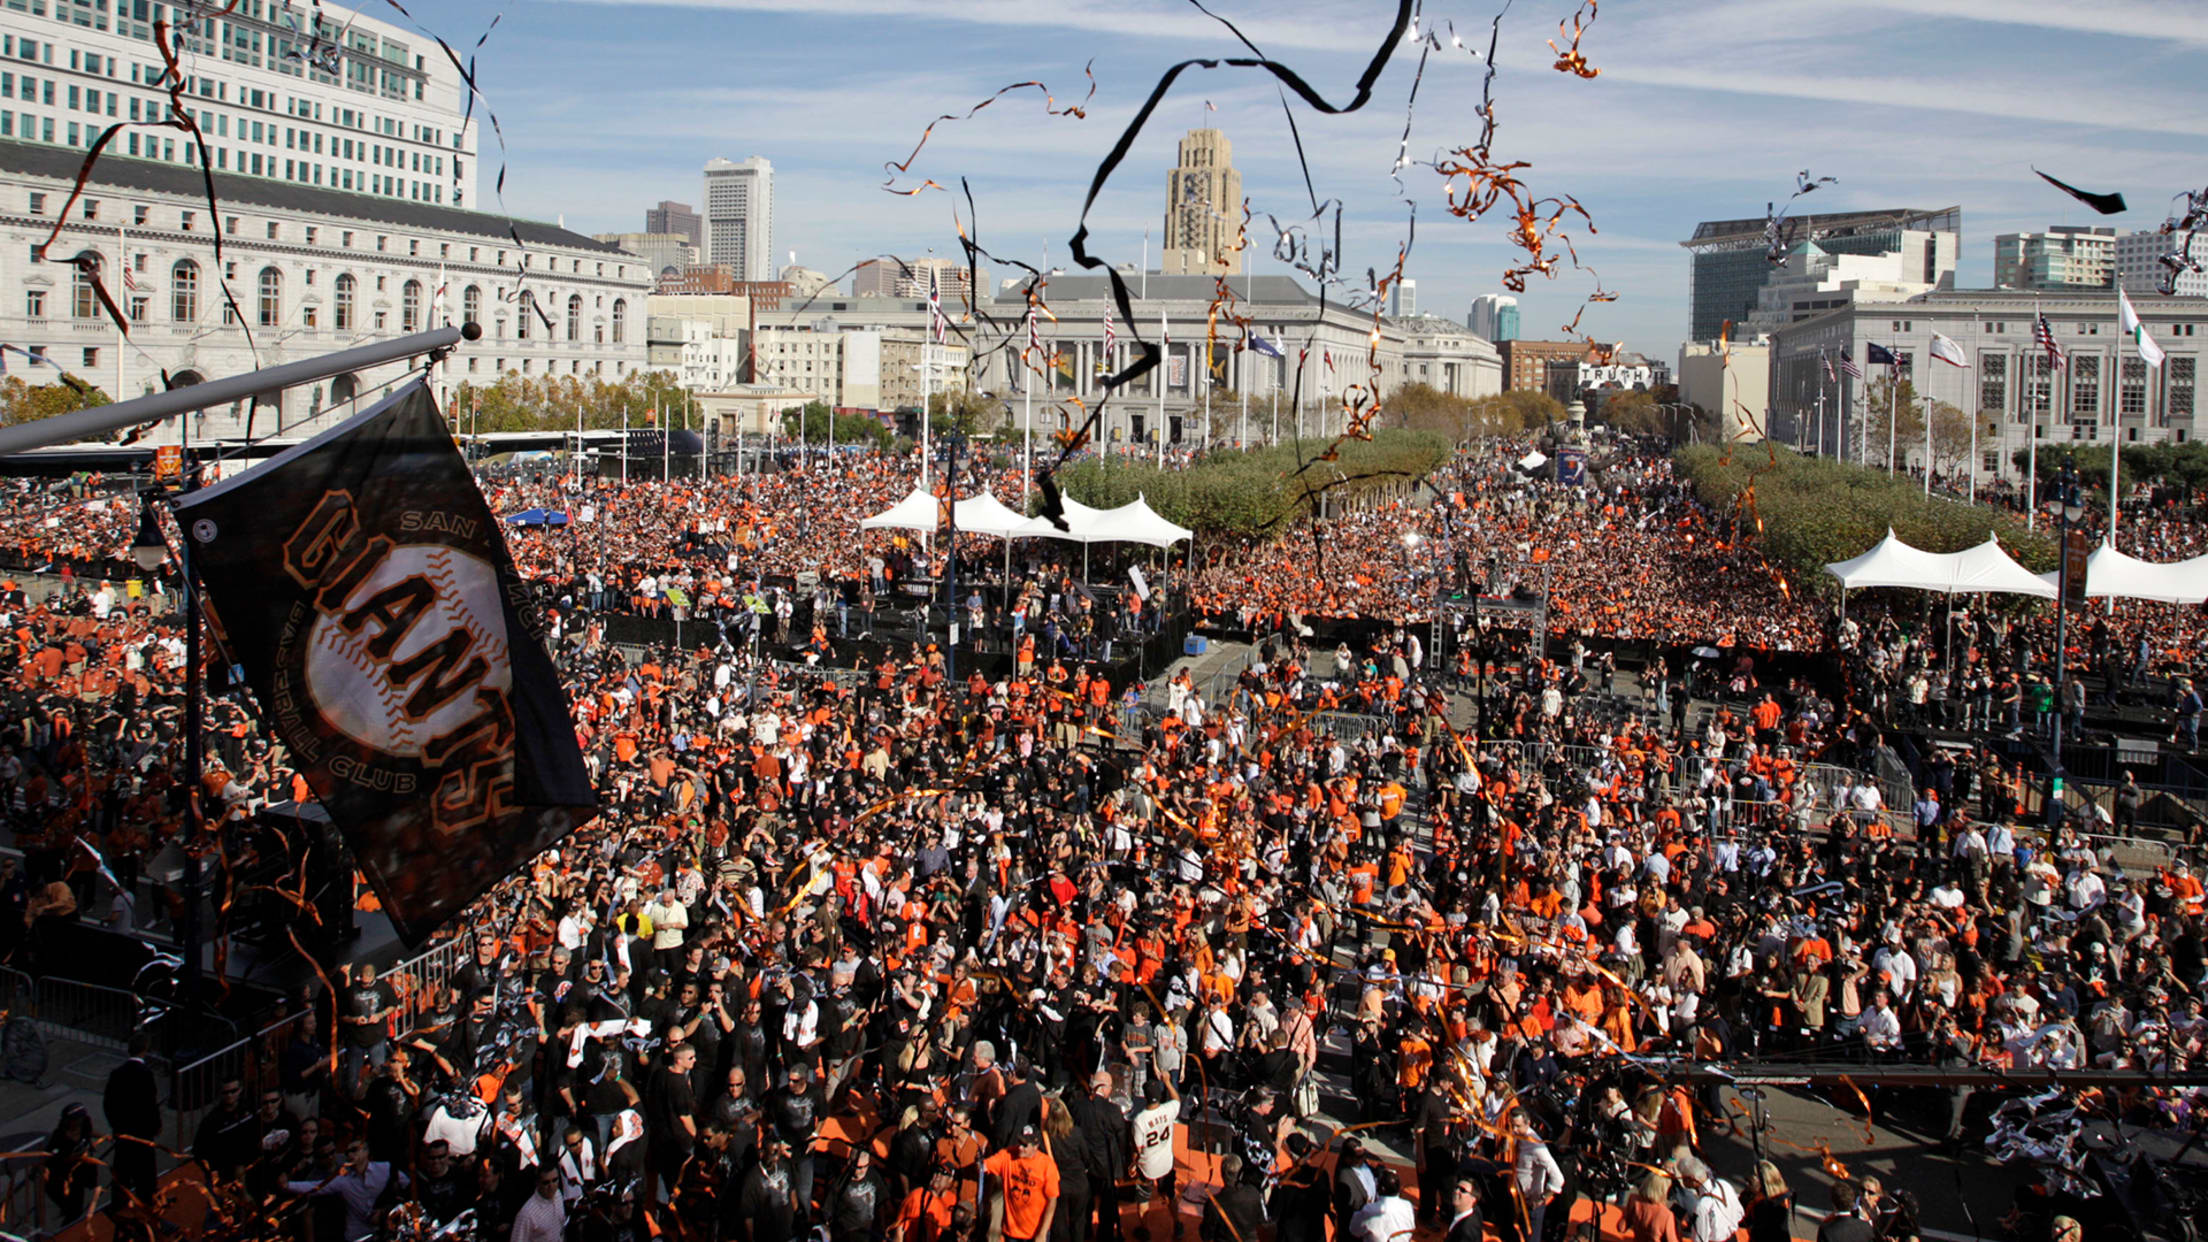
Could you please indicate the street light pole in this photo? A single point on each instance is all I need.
(2065, 509)
(952, 442)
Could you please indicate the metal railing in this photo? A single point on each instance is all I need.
(23, 1206)
(255, 1061)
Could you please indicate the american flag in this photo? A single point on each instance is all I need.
(935, 309)
(1825, 360)
(1326, 356)
(2043, 339)
(1847, 364)
(1034, 340)
(1111, 338)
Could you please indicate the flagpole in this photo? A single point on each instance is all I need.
(667, 447)
(2031, 428)
(1927, 406)
(927, 378)
(122, 266)
(2116, 420)
(1893, 416)
(624, 444)
(1977, 346)
(1242, 381)
(1027, 420)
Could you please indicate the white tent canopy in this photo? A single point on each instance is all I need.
(1985, 568)
(1083, 525)
(1137, 522)
(914, 512)
(986, 515)
(2112, 574)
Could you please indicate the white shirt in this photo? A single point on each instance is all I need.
(541, 1220)
(1717, 1214)
(801, 1025)
(1153, 1130)
(1387, 1219)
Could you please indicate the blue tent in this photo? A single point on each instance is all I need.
(538, 517)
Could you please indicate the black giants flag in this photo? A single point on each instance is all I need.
(366, 587)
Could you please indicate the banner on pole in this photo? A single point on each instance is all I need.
(367, 588)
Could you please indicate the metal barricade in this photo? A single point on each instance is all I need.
(89, 1014)
(23, 1205)
(256, 1061)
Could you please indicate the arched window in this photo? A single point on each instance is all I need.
(184, 292)
(346, 288)
(575, 316)
(471, 305)
(523, 316)
(620, 320)
(87, 303)
(410, 307)
(272, 297)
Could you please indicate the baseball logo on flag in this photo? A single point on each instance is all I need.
(398, 661)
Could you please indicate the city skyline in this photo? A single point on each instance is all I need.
(1699, 115)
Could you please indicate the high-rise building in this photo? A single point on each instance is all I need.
(1403, 297)
(1203, 209)
(676, 218)
(1494, 317)
(1732, 261)
(367, 107)
(2067, 258)
(739, 217)
(908, 278)
(2139, 263)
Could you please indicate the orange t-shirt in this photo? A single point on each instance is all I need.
(1029, 1186)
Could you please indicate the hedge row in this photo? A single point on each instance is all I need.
(1815, 510)
(1259, 492)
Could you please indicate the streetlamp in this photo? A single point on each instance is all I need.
(148, 550)
(952, 441)
(2063, 506)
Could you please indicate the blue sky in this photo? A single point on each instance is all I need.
(1701, 111)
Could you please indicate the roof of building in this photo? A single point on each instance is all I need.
(122, 172)
(1258, 290)
(1720, 233)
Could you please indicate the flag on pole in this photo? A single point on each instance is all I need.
(1326, 358)
(1848, 367)
(1034, 338)
(2043, 339)
(1877, 354)
(1945, 349)
(935, 309)
(1825, 360)
(1111, 338)
(399, 662)
(2149, 352)
(1253, 341)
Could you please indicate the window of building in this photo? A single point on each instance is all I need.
(410, 307)
(344, 304)
(38, 203)
(184, 292)
(271, 311)
(381, 317)
(137, 310)
(526, 312)
(1993, 383)
(272, 230)
(2132, 393)
(139, 215)
(230, 225)
(84, 302)
(91, 357)
(2085, 385)
(2177, 401)
(574, 316)
(91, 209)
(34, 303)
(307, 315)
(471, 305)
(185, 219)
(620, 320)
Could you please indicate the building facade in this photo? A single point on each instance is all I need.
(909, 278)
(1525, 364)
(679, 219)
(1324, 354)
(2067, 258)
(311, 271)
(369, 107)
(1494, 317)
(2010, 391)
(739, 217)
(665, 255)
(1731, 260)
(2140, 262)
(1403, 298)
(1732, 381)
(1203, 208)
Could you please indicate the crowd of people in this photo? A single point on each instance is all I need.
(1373, 940)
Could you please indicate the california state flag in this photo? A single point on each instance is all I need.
(2127, 318)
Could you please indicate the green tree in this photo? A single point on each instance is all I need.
(1893, 415)
(817, 423)
(1633, 412)
(969, 413)
(25, 403)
